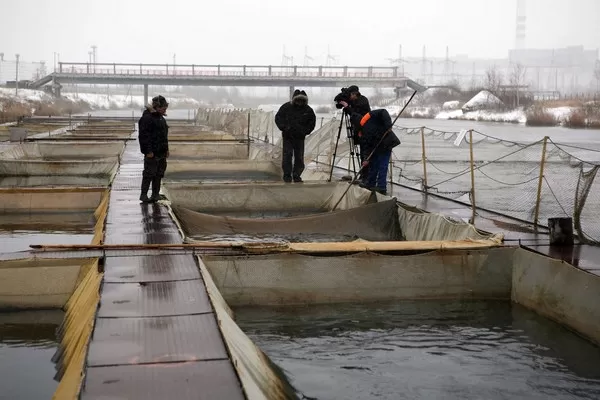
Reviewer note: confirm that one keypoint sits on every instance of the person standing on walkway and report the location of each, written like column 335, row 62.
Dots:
column 352, row 101
column 295, row 119
column 154, row 145
column 378, row 140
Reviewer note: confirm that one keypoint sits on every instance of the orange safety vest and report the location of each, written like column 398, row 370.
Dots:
column 363, row 121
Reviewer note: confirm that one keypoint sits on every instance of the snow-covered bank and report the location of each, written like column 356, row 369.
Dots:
column 514, row 116
column 120, row 101
column 95, row 101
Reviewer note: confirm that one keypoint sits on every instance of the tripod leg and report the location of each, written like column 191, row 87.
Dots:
column 350, row 136
column 337, row 141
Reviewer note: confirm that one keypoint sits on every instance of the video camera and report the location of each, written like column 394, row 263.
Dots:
column 344, row 95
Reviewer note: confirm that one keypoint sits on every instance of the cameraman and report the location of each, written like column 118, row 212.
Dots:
column 353, row 102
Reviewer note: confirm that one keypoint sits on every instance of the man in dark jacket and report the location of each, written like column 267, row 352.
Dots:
column 358, row 103
column 295, row 119
column 377, row 141
column 154, row 145
column 352, row 101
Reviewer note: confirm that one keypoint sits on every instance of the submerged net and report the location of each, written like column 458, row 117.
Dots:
column 67, row 151
column 98, row 167
column 373, row 222
column 287, row 279
column 50, row 200
column 208, row 151
column 223, row 171
column 261, row 200
column 39, row 283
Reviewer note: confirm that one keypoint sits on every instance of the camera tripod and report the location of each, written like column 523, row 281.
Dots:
column 354, row 149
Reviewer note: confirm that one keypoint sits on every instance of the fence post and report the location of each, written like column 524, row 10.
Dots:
column 473, row 204
column 248, row 135
column 391, row 166
column 424, row 158
column 540, row 181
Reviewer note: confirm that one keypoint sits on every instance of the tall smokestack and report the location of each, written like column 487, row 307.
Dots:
column 521, row 26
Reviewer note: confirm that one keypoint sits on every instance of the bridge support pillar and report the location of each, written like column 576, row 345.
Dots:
column 145, row 95
column 56, row 88
column 292, row 92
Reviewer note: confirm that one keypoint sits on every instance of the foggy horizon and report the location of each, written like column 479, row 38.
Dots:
column 237, row 32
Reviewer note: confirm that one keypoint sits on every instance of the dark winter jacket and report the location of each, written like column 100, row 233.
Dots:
column 153, row 133
column 371, row 128
column 360, row 106
column 296, row 119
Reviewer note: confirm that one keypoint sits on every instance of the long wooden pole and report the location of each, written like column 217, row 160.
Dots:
column 473, row 204
column 248, row 134
column 540, row 182
column 424, row 158
column 317, row 247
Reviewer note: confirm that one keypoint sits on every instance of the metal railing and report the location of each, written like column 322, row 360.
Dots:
column 268, row 71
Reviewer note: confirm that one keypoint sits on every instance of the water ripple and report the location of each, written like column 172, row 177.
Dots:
column 426, row 349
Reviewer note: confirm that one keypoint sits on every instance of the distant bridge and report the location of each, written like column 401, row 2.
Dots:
column 222, row 75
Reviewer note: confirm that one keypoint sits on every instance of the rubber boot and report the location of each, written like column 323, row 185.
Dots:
column 145, row 187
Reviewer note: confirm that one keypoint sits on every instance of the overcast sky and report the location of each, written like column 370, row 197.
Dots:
column 255, row 32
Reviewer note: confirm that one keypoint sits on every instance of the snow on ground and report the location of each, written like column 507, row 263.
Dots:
column 560, row 113
column 95, row 100
column 314, row 106
column 120, row 101
column 454, row 114
column 482, row 115
column 25, row 95
column 483, row 99
column 271, row 107
column 450, row 105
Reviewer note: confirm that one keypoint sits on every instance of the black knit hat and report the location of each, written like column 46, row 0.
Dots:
column 159, row 101
column 353, row 88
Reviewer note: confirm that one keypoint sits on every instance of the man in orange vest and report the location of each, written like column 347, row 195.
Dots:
column 377, row 141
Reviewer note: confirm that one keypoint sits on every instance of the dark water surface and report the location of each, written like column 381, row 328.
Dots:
column 20, row 230
column 275, row 238
column 27, row 344
column 425, row 350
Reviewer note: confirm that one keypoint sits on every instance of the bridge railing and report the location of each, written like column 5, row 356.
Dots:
column 228, row 70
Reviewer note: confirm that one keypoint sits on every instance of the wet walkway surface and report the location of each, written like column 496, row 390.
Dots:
column 156, row 334
column 581, row 255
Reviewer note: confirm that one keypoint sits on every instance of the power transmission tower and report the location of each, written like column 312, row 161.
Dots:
column 331, row 59
column 398, row 61
column 521, row 25
column 424, row 62
column 286, row 60
column 448, row 66
column 307, row 58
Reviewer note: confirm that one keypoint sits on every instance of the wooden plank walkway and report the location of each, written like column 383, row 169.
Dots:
column 156, row 335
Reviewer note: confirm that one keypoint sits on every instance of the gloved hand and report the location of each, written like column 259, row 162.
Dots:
column 365, row 163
